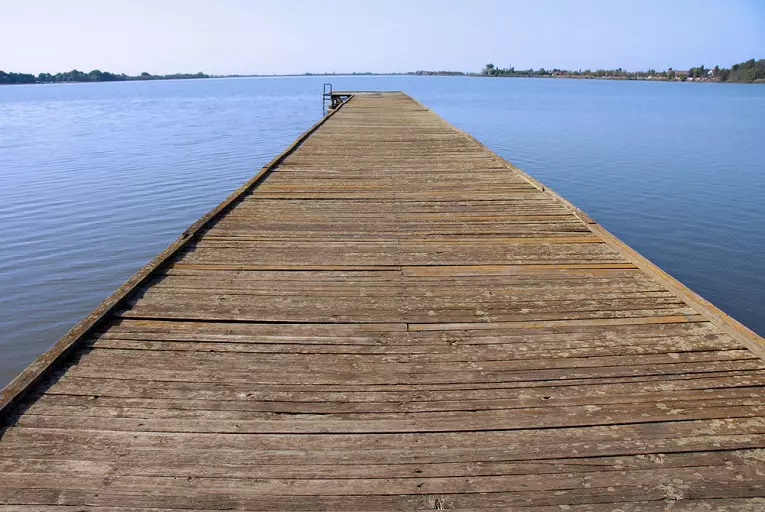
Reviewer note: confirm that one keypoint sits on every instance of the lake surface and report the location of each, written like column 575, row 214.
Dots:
column 95, row 179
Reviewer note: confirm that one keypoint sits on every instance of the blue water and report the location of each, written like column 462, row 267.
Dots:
column 95, row 179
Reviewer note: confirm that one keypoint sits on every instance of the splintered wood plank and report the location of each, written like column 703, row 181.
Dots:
column 391, row 317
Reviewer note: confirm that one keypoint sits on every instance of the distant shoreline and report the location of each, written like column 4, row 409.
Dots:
column 329, row 75
column 479, row 75
column 751, row 71
column 624, row 79
column 95, row 76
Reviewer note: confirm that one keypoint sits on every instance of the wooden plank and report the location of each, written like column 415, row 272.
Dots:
column 596, row 483
column 106, row 502
column 56, row 405
column 578, row 466
column 664, row 437
column 345, row 376
column 594, row 321
column 537, row 392
column 670, row 388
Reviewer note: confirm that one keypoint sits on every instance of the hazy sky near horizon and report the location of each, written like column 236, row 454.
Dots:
column 296, row 36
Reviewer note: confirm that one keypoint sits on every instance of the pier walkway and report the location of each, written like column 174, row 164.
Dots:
column 389, row 316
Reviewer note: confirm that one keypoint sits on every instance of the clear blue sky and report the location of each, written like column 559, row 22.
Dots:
column 295, row 36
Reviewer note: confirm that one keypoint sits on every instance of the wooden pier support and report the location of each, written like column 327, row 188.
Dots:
column 391, row 317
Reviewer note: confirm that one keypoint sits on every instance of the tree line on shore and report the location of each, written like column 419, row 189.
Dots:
column 94, row 76
column 749, row 72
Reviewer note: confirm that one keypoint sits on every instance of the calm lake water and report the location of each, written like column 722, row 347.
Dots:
column 95, row 179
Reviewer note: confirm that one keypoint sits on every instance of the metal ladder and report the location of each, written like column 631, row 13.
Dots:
column 326, row 98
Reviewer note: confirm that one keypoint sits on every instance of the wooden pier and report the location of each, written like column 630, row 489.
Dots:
column 390, row 317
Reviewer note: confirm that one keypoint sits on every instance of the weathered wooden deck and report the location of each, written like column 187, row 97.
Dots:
column 389, row 316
